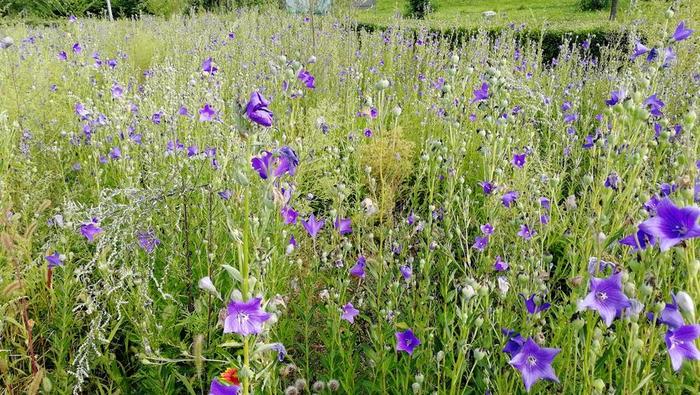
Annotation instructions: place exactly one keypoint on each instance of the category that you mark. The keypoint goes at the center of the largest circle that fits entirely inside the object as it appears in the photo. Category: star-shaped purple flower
(535, 363)
(681, 32)
(289, 215)
(313, 226)
(639, 241)
(681, 344)
(219, 388)
(519, 160)
(406, 341)
(481, 94)
(508, 198)
(207, 113)
(90, 230)
(672, 224)
(307, 79)
(349, 313)
(54, 260)
(532, 307)
(606, 297)
(245, 318)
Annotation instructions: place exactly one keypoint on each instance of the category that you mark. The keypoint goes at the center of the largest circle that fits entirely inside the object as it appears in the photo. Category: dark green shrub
(419, 8)
(593, 5)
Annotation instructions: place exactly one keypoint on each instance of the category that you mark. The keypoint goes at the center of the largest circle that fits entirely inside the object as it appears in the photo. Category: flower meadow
(262, 203)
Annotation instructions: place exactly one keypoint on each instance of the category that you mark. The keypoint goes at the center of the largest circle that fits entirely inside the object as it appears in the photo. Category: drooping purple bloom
(406, 341)
(289, 215)
(225, 194)
(62, 56)
(312, 225)
(287, 161)
(77, 48)
(261, 164)
(349, 313)
(219, 388)
(508, 198)
(115, 153)
(343, 225)
(639, 241)
(606, 297)
(532, 307)
(481, 94)
(406, 271)
(206, 113)
(615, 97)
(307, 79)
(192, 150)
(681, 32)
(545, 203)
(257, 110)
(500, 265)
(245, 318)
(480, 243)
(639, 50)
(612, 181)
(535, 363)
(519, 160)
(514, 344)
(681, 344)
(54, 260)
(209, 67)
(672, 224)
(90, 230)
(358, 270)
(670, 315)
(570, 118)
(655, 105)
(669, 57)
(653, 54)
(148, 240)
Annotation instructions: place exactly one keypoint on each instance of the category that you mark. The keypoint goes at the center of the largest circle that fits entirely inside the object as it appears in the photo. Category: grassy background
(559, 14)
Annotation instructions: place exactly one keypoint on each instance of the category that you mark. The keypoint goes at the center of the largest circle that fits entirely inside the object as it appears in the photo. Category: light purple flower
(481, 94)
(525, 232)
(672, 224)
(245, 318)
(307, 79)
(349, 313)
(639, 50)
(606, 297)
(257, 110)
(148, 240)
(206, 113)
(343, 225)
(487, 187)
(487, 229)
(289, 215)
(500, 265)
(219, 388)
(406, 271)
(54, 260)
(209, 67)
(681, 344)
(313, 226)
(90, 230)
(681, 32)
(480, 243)
(508, 198)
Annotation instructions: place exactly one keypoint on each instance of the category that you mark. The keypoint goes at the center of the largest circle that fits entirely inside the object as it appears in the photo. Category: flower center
(675, 342)
(680, 230)
(531, 360)
(242, 318)
(602, 296)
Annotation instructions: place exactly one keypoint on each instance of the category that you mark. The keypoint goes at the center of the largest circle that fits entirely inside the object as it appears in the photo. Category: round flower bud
(318, 386)
(291, 390)
(416, 388)
(300, 384)
(685, 302)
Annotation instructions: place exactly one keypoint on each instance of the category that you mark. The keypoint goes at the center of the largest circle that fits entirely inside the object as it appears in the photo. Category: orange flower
(230, 376)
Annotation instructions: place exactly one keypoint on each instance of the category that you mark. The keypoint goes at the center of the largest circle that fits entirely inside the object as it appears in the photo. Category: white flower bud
(685, 302)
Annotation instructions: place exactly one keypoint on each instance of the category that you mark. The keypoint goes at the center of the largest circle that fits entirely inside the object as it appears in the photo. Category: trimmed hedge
(551, 40)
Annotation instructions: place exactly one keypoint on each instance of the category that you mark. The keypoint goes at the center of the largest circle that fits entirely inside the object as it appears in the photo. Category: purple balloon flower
(349, 313)
(209, 67)
(487, 187)
(245, 318)
(681, 344)
(508, 198)
(519, 160)
(606, 297)
(343, 225)
(481, 94)
(514, 344)
(487, 229)
(672, 224)
(525, 232)
(219, 388)
(358, 270)
(406, 341)
(681, 32)
(480, 243)
(207, 113)
(148, 240)
(639, 50)
(307, 79)
(289, 215)
(261, 164)
(257, 110)
(90, 230)
(532, 307)
(54, 260)
(500, 265)
(406, 271)
(535, 363)
(313, 226)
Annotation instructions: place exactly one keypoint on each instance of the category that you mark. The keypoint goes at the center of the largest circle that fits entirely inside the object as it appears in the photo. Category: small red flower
(230, 376)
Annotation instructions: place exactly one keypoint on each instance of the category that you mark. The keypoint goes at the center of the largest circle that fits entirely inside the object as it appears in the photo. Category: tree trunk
(109, 10)
(613, 9)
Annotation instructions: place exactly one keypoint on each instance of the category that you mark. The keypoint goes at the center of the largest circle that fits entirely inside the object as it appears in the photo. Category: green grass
(557, 14)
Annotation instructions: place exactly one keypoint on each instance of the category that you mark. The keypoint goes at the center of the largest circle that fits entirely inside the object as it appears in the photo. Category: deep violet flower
(257, 110)
(639, 50)
(207, 113)
(655, 105)
(209, 67)
(358, 270)
(245, 318)
(670, 315)
(343, 225)
(349, 313)
(487, 229)
(487, 187)
(261, 164)
(519, 160)
(406, 341)
(313, 226)
(307, 79)
(287, 161)
(681, 344)
(532, 307)
(514, 344)
(615, 97)
(289, 215)
(639, 241)
(612, 181)
(672, 224)
(481, 94)
(525, 232)
(226, 384)
(535, 363)
(606, 297)
(480, 243)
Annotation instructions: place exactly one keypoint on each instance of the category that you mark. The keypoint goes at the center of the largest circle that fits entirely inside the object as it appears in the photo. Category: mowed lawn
(560, 14)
